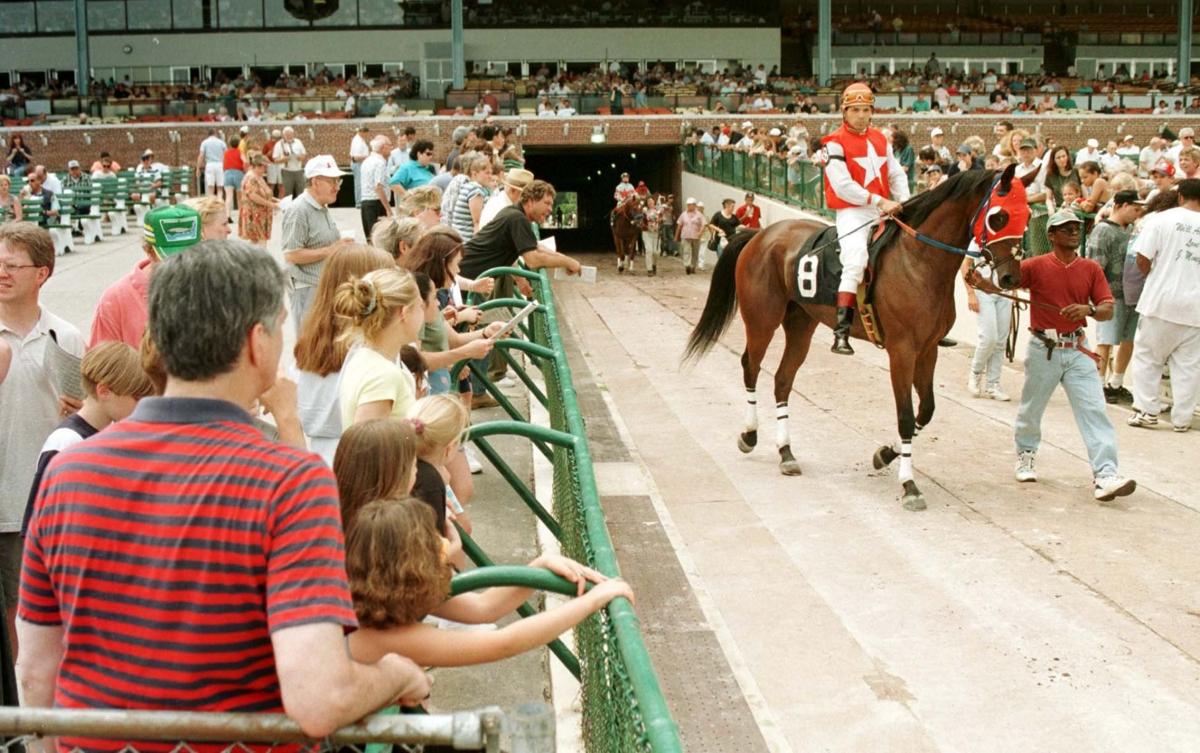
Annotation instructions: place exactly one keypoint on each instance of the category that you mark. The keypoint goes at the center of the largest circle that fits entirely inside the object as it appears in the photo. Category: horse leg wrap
(751, 423)
(906, 467)
(781, 425)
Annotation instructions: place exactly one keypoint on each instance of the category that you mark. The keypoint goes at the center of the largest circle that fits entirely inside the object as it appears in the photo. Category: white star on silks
(872, 165)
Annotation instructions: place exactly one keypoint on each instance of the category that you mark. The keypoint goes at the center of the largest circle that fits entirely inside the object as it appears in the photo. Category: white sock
(1116, 380)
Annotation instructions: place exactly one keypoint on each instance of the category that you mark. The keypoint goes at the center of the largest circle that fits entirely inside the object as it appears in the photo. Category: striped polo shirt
(169, 547)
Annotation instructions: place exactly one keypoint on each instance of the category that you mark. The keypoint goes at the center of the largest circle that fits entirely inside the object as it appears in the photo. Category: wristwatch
(1091, 309)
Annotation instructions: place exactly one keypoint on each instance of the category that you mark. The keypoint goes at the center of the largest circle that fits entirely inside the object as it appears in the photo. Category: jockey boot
(845, 320)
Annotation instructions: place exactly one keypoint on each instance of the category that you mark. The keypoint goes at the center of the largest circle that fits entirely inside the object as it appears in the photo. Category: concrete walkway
(1006, 617)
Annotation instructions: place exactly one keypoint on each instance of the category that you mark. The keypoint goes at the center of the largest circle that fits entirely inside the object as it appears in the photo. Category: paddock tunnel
(591, 173)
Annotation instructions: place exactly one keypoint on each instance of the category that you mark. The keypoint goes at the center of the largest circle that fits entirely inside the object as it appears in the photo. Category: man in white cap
(688, 229)
(863, 182)
(1090, 153)
(514, 181)
(937, 138)
(624, 189)
(1129, 149)
(309, 233)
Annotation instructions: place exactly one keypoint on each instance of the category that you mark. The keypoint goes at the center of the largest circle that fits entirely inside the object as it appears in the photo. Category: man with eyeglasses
(418, 171)
(1187, 140)
(310, 234)
(289, 154)
(29, 403)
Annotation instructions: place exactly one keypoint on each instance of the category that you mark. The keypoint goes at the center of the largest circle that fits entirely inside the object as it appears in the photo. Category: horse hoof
(883, 457)
(914, 502)
(790, 468)
(747, 440)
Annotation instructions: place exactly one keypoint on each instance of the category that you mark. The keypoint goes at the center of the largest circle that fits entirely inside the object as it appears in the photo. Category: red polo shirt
(1050, 281)
(749, 215)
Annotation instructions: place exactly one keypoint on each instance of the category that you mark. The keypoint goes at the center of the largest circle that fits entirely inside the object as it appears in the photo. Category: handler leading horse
(913, 299)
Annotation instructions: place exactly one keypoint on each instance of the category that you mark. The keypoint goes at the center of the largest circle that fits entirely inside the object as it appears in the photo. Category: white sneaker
(1025, 471)
(472, 460)
(1109, 488)
(506, 382)
(975, 384)
(1142, 419)
(995, 393)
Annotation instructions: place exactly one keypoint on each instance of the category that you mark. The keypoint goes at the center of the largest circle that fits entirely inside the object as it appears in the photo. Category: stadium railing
(798, 182)
(624, 710)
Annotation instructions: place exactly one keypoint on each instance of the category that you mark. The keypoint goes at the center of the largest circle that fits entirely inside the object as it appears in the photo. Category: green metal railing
(794, 181)
(624, 710)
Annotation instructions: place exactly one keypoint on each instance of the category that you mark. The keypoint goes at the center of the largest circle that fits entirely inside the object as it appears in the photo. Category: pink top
(124, 309)
(691, 225)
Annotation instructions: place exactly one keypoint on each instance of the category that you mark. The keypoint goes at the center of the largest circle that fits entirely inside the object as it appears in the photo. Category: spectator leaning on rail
(309, 233)
(216, 317)
(860, 179)
(30, 406)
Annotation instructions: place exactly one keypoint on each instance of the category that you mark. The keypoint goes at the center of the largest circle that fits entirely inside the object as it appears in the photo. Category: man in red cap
(863, 181)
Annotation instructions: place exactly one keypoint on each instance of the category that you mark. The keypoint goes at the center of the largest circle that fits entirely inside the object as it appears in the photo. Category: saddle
(817, 267)
(817, 264)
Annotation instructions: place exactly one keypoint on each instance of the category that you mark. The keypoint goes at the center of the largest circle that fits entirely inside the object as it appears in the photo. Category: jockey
(624, 190)
(861, 179)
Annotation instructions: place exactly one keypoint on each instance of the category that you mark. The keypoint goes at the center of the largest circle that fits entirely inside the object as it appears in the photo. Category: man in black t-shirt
(510, 236)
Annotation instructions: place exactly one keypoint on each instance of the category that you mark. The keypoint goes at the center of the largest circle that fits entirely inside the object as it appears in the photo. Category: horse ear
(1006, 178)
(1028, 178)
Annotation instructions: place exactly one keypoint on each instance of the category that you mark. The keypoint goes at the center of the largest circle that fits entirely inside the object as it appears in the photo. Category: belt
(1073, 340)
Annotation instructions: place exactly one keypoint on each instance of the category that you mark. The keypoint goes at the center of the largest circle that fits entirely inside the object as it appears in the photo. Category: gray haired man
(309, 233)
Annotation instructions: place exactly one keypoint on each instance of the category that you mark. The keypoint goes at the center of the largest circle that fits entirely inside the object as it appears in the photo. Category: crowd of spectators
(306, 502)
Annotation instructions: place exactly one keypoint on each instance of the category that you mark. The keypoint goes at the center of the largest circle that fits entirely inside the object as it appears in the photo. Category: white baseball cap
(747, 124)
(1093, 144)
(936, 132)
(690, 200)
(322, 166)
(774, 132)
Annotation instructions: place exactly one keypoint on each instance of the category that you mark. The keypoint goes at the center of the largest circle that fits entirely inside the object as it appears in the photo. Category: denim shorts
(233, 179)
(1120, 328)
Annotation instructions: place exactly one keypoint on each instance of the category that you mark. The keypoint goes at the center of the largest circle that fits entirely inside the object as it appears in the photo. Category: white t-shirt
(1171, 240)
(359, 149)
(374, 172)
(318, 407)
(290, 155)
(28, 410)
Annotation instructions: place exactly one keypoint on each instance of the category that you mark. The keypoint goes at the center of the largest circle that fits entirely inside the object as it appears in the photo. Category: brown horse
(913, 299)
(626, 229)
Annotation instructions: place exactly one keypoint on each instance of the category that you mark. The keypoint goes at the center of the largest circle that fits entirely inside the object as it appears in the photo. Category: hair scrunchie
(370, 307)
(418, 425)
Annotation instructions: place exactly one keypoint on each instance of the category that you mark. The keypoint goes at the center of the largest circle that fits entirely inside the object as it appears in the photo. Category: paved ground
(812, 613)
(1006, 617)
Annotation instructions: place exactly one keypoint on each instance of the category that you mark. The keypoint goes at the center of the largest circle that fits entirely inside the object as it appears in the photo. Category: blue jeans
(995, 318)
(356, 168)
(1081, 381)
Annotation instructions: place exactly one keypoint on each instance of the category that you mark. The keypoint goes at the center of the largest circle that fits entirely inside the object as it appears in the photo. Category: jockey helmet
(858, 94)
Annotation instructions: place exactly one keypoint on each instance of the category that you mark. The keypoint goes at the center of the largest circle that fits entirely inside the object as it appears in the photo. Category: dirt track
(1006, 617)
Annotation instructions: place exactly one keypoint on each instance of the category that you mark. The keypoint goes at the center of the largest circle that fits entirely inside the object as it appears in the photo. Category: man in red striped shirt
(179, 559)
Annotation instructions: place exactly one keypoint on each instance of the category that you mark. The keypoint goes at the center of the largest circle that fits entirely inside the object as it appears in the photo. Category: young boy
(113, 382)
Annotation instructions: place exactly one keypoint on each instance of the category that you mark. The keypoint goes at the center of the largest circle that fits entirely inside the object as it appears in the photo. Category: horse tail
(722, 299)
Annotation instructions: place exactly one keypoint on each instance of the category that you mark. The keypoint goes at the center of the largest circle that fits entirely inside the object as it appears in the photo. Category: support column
(83, 61)
(1183, 67)
(458, 62)
(825, 42)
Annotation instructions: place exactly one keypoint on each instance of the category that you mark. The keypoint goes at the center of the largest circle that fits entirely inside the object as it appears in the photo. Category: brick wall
(179, 143)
